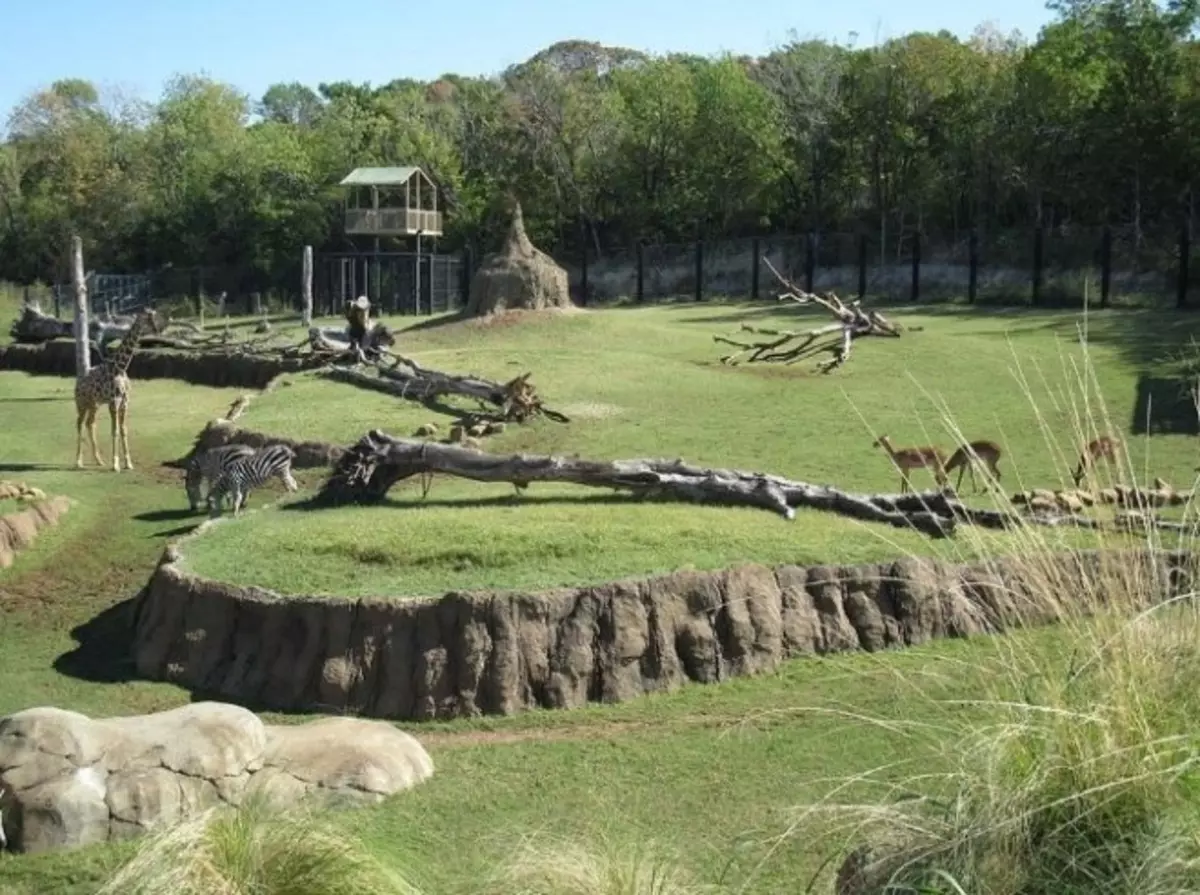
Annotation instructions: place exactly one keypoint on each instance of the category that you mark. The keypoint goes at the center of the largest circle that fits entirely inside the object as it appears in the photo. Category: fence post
(1038, 246)
(1105, 266)
(755, 265)
(1185, 252)
(973, 266)
(641, 271)
(464, 271)
(83, 356)
(810, 260)
(862, 265)
(699, 268)
(306, 284)
(916, 267)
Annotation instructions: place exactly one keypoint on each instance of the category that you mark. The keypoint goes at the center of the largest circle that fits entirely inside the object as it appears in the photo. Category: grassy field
(715, 774)
(645, 382)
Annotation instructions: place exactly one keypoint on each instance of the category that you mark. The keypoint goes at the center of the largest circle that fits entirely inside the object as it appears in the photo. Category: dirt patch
(18, 530)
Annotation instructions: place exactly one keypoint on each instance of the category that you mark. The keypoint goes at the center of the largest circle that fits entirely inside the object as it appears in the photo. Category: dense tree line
(1093, 123)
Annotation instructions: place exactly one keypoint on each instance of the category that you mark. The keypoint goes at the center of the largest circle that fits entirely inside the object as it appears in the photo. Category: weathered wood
(368, 470)
(516, 399)
(80, 331)
(837, 339)
(306, 286)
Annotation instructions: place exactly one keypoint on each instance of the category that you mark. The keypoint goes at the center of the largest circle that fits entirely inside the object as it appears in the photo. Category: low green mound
(645, 383)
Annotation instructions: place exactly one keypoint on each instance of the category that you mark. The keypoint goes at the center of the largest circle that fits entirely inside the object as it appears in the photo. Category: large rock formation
(468, 654)
(519, 276)
(68, 780)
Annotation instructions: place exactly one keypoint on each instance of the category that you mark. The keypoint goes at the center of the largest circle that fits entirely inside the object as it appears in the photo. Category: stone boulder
(67, 780)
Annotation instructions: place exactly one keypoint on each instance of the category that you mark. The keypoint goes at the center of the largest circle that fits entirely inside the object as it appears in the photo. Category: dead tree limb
(836, 339)
(515, 401)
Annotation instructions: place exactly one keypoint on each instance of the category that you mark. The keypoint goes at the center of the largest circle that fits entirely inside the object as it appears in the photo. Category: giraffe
(107, 383)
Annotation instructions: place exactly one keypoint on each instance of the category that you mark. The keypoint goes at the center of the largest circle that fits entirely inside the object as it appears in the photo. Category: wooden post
(755, 266)
(306, 284)
(699, 269)
(83, 357)
(466, 264)
(1105, 266)
(973, 266)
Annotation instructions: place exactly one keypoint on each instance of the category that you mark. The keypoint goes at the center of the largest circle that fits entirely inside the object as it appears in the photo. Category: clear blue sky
(137, 44)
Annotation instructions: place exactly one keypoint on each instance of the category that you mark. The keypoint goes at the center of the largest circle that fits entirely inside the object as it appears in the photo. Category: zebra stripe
(247, 473)
(208, 466)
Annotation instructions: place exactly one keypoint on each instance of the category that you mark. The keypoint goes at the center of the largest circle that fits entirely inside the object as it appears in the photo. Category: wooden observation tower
(392, 202)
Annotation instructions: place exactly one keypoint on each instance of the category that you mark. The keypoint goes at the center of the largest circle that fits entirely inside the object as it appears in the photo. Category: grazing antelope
(987, 452)
(1103, 448)
(906, 459)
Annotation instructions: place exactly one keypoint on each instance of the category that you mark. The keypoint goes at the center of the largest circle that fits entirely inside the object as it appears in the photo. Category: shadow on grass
(165, 515)
(31, 467)
(102, 652)
(43, 399)
(506, 500)
(1164, 407)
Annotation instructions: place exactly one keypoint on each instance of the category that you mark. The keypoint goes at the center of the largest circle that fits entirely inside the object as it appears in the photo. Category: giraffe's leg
(112, 413)
(91, 426)
(123, 421)
(80, 422)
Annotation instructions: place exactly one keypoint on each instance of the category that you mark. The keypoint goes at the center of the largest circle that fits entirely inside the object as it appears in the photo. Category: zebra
(248, 472)
(208, 466)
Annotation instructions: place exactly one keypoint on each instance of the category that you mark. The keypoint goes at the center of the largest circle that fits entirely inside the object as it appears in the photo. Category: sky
(137, 45)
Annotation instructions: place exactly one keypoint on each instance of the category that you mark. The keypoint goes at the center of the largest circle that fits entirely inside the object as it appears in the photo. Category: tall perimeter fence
(1037, 267)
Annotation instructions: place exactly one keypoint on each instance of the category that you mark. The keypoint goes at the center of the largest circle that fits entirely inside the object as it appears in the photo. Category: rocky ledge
(467, 654)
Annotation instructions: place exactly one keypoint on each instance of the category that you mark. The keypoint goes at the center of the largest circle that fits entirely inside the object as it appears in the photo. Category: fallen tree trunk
(517, 400)
(369, 469)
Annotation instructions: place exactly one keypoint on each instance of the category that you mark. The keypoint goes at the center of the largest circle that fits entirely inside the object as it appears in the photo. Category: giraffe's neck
(118, 362)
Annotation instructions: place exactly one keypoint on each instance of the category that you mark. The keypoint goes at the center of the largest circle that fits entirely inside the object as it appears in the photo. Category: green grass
(714, 774)
(645, 382)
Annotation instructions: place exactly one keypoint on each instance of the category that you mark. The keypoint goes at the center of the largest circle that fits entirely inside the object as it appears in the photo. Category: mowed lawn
(647, 383)
(715, 773)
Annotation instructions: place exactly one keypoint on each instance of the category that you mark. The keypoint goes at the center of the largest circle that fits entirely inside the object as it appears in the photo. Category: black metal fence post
(699, 269)
(1039, 244)
(641, 271)
(583, 273)
(755, 264)
(810, 260)
(464, 272)
(973, 266)
(862, 265)
(1105, 266)
(1185, 252)
(916, 267)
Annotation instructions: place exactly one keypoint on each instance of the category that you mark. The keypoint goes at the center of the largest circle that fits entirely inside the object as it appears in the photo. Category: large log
(516, 399)
(369, 469)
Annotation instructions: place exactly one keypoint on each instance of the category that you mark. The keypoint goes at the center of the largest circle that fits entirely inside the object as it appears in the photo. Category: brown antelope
(906, 459)
(1103, 448)
(988, 453)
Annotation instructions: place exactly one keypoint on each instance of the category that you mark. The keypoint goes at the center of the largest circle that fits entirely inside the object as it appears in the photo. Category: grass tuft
(251, 850)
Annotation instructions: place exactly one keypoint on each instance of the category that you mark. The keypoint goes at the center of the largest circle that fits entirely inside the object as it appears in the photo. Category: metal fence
(1051, 267)
(395, 282)
(108, 293)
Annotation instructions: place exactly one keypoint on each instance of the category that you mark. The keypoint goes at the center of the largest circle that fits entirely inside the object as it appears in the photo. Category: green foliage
(1088, 125)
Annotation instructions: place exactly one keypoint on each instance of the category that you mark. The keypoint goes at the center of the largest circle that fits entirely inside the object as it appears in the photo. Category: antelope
(907, 459)
(1103, 448)
(987, 452)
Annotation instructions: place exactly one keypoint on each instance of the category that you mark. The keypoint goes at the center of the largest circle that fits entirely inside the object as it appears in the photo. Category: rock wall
(18, 530)
(467, 654)
(58, 358)
(309, 454)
